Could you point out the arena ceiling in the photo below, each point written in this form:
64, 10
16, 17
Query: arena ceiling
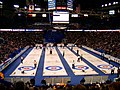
92, 4
85, 4
91, 7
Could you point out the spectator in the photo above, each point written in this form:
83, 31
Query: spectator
112, 70
114, 86
79, 87
43, 82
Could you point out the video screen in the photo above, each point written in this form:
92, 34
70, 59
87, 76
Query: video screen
111, 12
69, 4
51, 4
60, 17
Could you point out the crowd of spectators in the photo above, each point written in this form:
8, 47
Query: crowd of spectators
13, 42
105, 41
29, 85
16, 41
108, 42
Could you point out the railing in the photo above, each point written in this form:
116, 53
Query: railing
51, 80
10, 60
94, 79
61, 80
16, 79
57, 80
117, 60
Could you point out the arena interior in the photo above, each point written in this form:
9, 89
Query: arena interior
59, 45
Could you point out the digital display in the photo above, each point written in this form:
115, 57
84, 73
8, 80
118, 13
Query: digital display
51, 4
74, 15
61, 4
60, 17
69, 4
112, 12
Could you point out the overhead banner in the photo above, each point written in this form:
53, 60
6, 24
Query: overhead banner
51, 4
69, 4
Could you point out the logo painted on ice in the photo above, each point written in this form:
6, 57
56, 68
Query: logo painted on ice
81, 67
53, 68
26, 68
103, 66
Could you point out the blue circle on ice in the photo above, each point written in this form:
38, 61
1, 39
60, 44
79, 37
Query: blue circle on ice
104, 66
81, 67
53, 68
26, 68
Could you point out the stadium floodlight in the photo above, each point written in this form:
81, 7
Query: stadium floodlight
37, 9
16, 6
33, 15
86, 15
19, 14
114, 3
105, 4
44, 15
1, 2
102, 5
74, 15
109, 4
25, 7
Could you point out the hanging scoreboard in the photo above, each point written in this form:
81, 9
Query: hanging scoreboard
60, 17
61, 4
51, 4
69, 4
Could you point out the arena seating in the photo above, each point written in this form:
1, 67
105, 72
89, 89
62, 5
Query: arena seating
107, 41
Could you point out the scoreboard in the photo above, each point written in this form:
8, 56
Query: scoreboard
69, 4
60, 17
60, 4
51, 4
